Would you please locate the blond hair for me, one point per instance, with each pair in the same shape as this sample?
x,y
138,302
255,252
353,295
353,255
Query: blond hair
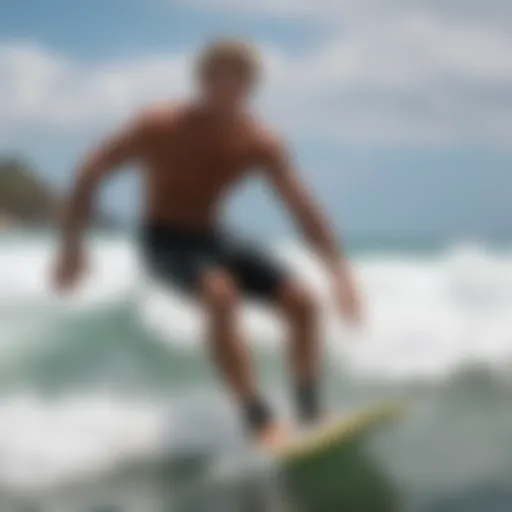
x,y
233,53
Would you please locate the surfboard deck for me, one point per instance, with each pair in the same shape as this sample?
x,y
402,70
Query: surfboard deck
x,y
337,432
328,469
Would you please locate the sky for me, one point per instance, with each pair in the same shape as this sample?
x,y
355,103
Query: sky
x,y
399,111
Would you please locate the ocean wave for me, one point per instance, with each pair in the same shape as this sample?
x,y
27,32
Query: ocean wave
x,y
44,445
425,316
58,444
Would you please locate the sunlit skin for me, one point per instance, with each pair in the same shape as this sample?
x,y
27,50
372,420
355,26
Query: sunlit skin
x,y
191,156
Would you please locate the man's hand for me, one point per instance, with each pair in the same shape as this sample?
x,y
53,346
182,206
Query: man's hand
x,y
347,296
69,268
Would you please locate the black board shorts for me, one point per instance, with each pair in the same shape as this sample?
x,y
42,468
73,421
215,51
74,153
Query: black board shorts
x,y
180,258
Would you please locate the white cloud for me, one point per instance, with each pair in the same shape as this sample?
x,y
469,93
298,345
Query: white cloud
x,y
493,10
398,72
413,79
41,88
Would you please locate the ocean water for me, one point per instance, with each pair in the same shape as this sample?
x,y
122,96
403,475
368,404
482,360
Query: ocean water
x,y
108,402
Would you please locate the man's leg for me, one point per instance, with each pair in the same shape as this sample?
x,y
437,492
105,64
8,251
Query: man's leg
x,y
301,311
220,297
263,277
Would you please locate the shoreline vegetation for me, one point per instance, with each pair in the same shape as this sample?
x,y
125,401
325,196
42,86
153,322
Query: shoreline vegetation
x,y
28,202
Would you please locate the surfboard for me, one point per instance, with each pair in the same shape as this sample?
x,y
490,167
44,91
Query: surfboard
x,y
322,469
328,468
324,439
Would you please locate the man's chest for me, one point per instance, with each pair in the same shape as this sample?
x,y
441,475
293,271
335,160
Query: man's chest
x,y
221,152
202,160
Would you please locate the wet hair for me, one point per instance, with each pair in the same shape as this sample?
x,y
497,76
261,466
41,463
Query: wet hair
x,y
233,54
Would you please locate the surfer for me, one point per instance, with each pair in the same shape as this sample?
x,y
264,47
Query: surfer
x,y
191,154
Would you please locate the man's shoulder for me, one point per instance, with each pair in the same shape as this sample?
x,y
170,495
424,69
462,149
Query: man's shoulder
x,y
160,115
266,139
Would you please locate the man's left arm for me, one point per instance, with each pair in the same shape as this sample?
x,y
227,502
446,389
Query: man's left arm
x,y
281,173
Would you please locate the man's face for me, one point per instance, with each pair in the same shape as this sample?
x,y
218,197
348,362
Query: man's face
x,y
226,86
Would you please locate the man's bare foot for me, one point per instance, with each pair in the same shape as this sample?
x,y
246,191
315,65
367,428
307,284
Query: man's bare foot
x,y
273,437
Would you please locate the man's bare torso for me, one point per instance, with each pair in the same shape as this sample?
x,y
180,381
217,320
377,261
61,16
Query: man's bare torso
x,y
191,160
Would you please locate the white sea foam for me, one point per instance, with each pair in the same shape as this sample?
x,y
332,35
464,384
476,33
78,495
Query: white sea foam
x,y
55,444
26,269
29,307
44,445
425,316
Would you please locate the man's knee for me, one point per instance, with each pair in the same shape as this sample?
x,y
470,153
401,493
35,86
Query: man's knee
x,y
299,303
219,291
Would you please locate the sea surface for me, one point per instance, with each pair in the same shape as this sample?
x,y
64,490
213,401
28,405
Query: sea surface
x,y
108,402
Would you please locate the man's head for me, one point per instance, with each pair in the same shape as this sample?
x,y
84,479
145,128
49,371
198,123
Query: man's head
x,y
228,71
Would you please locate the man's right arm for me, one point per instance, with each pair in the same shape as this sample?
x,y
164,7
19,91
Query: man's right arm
x,y
114,152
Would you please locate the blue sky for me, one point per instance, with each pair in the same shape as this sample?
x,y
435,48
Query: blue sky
x,y
400,112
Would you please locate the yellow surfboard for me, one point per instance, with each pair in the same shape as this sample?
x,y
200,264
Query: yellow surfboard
x,y
327,468
339,431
